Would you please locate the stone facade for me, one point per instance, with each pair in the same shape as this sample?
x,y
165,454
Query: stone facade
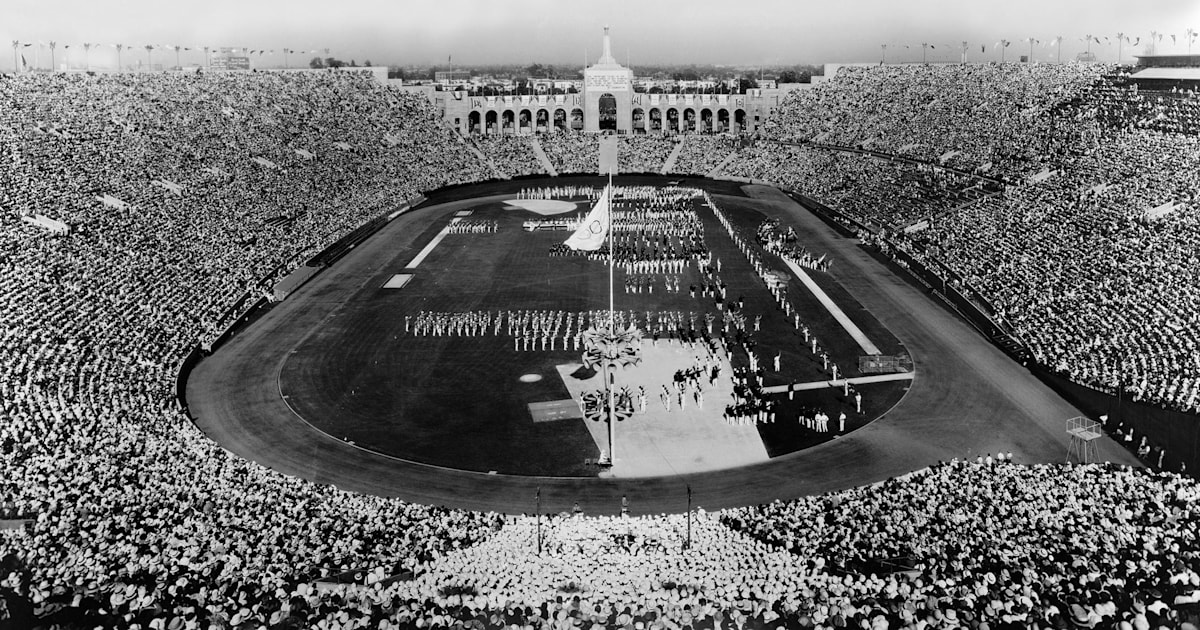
x,y
635,112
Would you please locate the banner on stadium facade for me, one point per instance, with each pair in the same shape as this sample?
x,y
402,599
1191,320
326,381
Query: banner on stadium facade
x,y
607,80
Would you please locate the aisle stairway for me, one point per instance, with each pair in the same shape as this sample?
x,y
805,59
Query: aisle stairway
x,y
486,160
541,156
669,165
716,172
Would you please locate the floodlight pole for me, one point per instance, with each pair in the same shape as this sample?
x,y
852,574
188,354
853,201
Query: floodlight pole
x,y
538,498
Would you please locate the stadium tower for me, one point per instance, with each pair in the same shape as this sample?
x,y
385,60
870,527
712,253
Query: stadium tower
x,y
608,94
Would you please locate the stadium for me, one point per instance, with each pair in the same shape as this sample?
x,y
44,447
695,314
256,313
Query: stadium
x,y
911,346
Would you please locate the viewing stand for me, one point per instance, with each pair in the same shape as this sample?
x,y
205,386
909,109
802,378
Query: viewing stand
x,y
1084,432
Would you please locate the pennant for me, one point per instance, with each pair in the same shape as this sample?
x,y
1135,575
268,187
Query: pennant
x,y
591,233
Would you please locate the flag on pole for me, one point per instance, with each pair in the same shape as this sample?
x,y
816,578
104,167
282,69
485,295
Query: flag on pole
x,y
594,229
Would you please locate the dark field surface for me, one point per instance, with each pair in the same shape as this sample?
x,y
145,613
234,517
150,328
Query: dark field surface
x,y
330,351
458,402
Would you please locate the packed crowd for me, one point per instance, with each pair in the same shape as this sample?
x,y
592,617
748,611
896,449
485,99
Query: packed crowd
x,y
889,193
700,154
512,155
987,544
136,515
1096,289
1116,100
644,154
572,152
1000,544
139,521
1088,254
972,116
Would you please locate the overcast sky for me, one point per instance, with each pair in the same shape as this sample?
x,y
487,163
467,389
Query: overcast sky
x,y
744,32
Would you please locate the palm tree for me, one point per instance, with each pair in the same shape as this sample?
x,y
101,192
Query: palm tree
x,y
87,56
119,48
16,45
149,58
53,45
611,349
1120,43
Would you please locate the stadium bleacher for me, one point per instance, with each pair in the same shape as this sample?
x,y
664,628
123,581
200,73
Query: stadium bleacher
x,y
138,520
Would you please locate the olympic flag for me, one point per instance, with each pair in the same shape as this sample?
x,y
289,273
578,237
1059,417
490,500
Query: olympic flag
x,y
594,229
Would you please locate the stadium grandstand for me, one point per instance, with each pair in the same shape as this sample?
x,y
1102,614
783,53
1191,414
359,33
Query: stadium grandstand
x,y
146,216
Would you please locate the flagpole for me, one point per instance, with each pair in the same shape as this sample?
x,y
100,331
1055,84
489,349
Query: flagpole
x,y
612,446
611,311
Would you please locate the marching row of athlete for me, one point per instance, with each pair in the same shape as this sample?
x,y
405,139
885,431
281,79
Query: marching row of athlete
x,y
473,226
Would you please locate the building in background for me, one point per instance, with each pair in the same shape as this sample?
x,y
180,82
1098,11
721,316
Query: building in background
x,y
607,102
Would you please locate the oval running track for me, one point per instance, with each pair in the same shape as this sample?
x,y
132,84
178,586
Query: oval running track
x,y
967,398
